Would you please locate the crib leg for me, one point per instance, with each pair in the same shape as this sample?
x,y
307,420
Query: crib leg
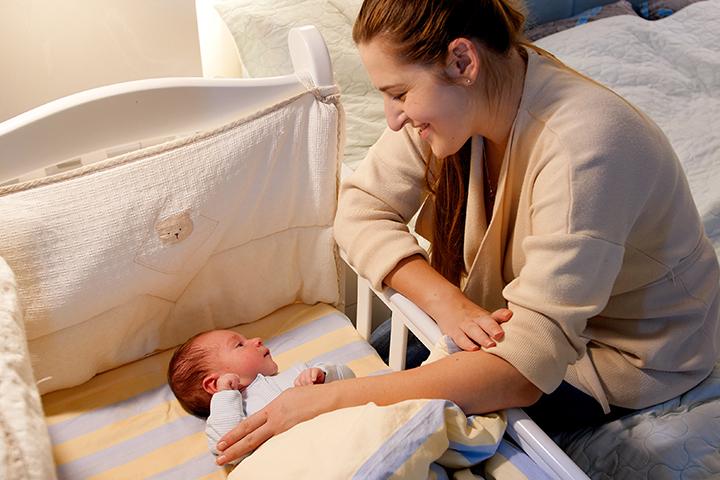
x,y
398,341
363,316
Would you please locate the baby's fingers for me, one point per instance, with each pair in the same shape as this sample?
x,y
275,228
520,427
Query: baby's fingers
x,y
303,379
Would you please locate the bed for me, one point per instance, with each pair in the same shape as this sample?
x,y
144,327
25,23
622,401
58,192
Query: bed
x,y
137,214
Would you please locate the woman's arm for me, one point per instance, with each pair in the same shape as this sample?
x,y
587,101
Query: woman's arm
x,y
478,382
457,316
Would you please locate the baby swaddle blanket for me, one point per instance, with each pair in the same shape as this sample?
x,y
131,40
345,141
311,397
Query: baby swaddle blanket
x,y
410,439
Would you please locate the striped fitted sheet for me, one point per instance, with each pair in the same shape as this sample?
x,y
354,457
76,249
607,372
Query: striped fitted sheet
x,y
126,423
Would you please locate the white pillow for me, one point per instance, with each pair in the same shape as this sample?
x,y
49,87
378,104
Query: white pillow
x,y
260,28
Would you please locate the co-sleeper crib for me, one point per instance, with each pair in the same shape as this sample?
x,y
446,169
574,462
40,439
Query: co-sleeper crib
x,y
138,214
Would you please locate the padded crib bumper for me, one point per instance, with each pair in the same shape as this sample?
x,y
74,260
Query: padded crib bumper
x,y
134,254
109,263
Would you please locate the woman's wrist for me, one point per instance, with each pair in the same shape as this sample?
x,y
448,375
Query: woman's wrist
x,y
417,280
445,296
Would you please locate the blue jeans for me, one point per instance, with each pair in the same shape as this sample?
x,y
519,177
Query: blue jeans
x,y
567,409
380,340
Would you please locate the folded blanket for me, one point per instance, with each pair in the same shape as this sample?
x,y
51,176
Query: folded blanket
x,y
410,439
374,442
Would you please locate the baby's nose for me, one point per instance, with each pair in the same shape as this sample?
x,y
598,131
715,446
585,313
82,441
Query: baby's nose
x,y
257,341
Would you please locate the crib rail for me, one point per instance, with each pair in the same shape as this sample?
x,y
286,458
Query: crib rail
x,y
125,116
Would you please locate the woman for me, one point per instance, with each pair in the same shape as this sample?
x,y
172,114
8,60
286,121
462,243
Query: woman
x,y
542,192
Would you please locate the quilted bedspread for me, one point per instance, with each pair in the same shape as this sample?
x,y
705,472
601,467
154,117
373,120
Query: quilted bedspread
x,y
670,69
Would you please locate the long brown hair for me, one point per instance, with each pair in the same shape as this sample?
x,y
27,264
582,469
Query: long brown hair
x,y
420,32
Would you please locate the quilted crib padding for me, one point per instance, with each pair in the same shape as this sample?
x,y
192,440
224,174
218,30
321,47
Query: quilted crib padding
x,y
137,253
24,442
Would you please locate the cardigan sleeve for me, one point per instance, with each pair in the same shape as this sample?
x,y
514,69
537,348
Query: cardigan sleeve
x,y
567,280
584,204
378,200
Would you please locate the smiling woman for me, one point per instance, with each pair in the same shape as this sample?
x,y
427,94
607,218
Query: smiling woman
x,y
591,244
414,72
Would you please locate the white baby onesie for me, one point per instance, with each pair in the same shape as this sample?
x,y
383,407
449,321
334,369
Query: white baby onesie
x,y
230,407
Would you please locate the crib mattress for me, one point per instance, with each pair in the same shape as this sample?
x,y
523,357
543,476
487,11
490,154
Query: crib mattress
x,y
126,423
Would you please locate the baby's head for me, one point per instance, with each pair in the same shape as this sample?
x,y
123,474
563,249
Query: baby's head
x,y
197,365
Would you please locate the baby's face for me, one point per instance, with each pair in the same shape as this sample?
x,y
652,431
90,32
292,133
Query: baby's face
x,y
233,353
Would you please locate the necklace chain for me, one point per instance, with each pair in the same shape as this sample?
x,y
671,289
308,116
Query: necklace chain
x,y
488,181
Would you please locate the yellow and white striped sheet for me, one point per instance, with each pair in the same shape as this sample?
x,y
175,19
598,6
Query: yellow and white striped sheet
x,y
126,424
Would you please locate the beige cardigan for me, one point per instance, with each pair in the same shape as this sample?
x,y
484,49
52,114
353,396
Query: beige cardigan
x,y
595,243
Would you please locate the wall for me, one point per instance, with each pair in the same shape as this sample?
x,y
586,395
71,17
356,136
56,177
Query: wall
x,y
50,48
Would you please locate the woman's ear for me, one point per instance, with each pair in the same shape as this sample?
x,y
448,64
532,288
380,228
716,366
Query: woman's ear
x,y
463,61
209,383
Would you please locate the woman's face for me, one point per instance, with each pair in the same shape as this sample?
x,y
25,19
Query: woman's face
x,y
440,110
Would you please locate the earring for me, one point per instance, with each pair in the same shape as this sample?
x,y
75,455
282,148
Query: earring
x,y
468,81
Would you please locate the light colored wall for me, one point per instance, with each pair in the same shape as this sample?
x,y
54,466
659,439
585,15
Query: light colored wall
x,y
51,48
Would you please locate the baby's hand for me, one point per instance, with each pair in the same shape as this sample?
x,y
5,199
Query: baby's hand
x,y
228,381
310,376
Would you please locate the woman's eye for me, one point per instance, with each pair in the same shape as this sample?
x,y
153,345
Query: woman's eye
x,y
399,98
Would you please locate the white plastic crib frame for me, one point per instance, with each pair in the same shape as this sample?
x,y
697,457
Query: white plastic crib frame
x,y
407,317
36,139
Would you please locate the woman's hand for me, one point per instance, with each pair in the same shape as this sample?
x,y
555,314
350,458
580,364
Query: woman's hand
x,y
291,407
471,326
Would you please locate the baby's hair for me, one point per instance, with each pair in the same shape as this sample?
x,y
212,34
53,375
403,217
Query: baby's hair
x,y
188,366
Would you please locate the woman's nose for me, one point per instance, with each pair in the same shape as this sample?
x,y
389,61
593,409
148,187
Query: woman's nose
x,y
395,116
